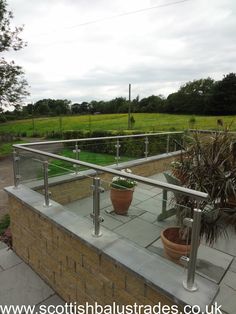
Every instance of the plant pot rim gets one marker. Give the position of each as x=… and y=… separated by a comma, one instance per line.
x=169, y=241
x=125, y=189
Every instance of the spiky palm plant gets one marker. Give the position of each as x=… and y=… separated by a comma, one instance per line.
x=208, y=164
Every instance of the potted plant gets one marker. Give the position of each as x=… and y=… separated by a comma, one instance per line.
x=121, y=195
x=208, y=165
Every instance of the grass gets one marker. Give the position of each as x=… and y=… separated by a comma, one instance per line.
x=143, y=122
x=6, y=148
x=57, y=167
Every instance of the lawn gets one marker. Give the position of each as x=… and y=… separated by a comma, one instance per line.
x=57, y=167
x=143, y=122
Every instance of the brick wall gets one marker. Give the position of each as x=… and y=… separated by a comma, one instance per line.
x=76, y=270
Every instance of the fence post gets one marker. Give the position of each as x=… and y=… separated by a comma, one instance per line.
x=117, y=146
x=168, y=144
x=16, y=171
x=195, y=223
x=146, y=147
x=97, y=219
x=76, y=151
x=46, y=190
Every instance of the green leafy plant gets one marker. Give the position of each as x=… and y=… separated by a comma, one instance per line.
x=123, y=183
x=5, y=231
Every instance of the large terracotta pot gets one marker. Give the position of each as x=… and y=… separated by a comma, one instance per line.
x=121, y=200
x=174, y=250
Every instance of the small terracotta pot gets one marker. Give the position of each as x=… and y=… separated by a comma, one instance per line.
x=121, y=200
x=174, y=250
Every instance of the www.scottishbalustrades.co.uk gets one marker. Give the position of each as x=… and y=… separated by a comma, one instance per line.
x=96, y=308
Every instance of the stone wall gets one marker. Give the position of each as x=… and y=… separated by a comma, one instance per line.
x=76, y=270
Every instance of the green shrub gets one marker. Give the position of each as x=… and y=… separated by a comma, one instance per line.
x=4, y=223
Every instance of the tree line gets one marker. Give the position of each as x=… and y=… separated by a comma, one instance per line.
x=200, y=97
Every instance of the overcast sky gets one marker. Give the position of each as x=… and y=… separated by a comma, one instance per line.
x=92, y=49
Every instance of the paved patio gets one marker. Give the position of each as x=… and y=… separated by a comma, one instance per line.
x=20, y=285
x=217, y=263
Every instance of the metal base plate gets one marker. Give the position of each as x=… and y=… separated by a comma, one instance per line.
x=191, y=289
x=96, y=235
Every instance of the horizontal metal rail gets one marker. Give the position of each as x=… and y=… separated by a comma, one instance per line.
x=211, y=131
x=99, y=138
x=163, y=185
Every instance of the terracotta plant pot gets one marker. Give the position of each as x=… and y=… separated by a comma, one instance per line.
x=174, y=247
x=121, y=200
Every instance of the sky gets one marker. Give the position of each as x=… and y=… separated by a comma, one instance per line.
x=85, y=50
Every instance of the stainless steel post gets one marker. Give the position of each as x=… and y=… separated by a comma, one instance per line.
x=168, y=144
x=16, y=171
x=97, y=219
x=46, y=190
x=117, y=146
x=146, y=147
x=76, y=151
x=189, y=284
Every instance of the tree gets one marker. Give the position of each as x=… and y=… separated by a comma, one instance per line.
x=150, y=104
x=52, y=106
x=192, y=98
x=75, y=108
x=12, y=82
x=224, y=96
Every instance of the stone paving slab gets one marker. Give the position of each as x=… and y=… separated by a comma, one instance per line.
x=233, y=266
x=139, y=231
x=149, y=217
x=142, y=195
x=152, y=218
x=2, y=245
x=53, y=300
x=211, y=263
x=109, y=222
x=230, y=280
x=8, y=259
x=152, y=205
x=81, y=207
x=227, y=244
x=227, y=298
x=105, y=199
x=133, y=212
x=22, y=286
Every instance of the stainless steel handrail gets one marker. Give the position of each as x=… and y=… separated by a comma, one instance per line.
x=189, y=284
x=99, y=138
x=163, y=185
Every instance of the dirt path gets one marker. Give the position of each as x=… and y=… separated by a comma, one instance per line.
x=6, y=179
x=6, y=171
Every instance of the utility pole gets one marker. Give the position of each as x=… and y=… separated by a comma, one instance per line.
x=32, y=113
x=129, y=109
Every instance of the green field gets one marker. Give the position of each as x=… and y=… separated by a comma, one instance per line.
x=143, y=122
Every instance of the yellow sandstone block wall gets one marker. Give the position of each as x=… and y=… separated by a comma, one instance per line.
x=66, y=192
x=77, y=271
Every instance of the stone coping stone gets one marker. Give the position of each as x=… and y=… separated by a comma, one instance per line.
x=165, y=277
